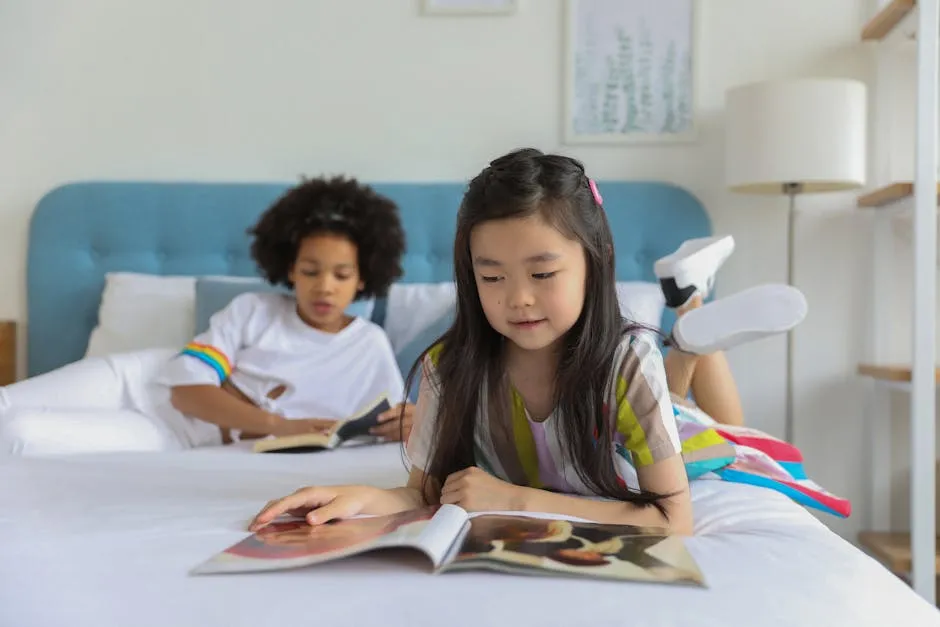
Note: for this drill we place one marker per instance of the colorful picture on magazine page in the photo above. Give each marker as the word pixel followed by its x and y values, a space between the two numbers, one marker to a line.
pixel 454 540
pixel 574 548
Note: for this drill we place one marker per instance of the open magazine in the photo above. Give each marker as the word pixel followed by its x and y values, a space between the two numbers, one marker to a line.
pixel 454 540
pixel 354 427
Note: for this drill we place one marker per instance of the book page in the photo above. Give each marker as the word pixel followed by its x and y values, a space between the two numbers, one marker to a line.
pixel 294 543
pixel 353 431
pixel 546 546
pixel 301 442
pixel 442 532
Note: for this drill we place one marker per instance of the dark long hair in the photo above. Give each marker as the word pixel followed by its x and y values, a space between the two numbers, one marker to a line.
pixel 520 184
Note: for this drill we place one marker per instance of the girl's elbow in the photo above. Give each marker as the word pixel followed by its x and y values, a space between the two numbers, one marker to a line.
pixel 682 525
pixel 181 399
pixel 680 519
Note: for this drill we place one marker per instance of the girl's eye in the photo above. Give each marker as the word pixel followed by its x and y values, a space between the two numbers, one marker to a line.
pixel 309 273
pixel 541 276
pixel 343 277
pixel 489 279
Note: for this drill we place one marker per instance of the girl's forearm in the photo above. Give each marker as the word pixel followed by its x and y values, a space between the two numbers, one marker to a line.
pixel 215 405
pixel 610 512
pixel 395 500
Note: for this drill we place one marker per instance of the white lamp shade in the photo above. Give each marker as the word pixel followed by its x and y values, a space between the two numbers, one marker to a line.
pixel 811 132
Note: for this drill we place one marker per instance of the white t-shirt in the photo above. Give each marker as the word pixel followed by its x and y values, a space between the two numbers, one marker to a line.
pixel 259 343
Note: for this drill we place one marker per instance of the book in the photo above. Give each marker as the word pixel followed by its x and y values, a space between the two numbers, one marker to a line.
pixel 453 540
pixel 357 426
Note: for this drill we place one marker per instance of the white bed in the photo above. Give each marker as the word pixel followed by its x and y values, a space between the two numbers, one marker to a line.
pixel 98 540
pixel 108 539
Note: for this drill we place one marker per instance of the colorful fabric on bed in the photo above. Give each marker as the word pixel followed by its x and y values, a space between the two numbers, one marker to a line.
pixel 765 461
pixel 759 459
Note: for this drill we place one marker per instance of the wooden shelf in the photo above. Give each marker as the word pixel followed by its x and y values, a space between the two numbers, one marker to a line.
pixel 883 22
pixel 892 549
pixel 889 194
pixel 891 372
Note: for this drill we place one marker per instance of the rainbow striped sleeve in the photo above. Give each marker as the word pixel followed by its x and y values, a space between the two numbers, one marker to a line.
pixel 211 356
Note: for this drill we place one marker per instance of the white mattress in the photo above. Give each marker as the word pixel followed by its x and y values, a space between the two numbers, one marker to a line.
pixel 104 540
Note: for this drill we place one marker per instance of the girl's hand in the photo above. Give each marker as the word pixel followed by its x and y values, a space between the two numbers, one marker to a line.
pixel 476 490
pixel 392 426
pixel 304 425
pixel 317 505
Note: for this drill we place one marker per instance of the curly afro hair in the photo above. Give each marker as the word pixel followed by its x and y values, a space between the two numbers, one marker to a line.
pixel 341 206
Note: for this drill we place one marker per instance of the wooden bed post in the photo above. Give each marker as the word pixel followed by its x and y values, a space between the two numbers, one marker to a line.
pixel 7 352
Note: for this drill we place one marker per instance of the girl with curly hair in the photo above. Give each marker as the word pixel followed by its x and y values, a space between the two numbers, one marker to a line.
pixel 277 364
pixel 271 363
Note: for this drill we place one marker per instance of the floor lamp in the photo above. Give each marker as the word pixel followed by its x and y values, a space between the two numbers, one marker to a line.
pixel 793 137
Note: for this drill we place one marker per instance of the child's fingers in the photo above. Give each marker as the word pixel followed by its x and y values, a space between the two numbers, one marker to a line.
pixel 450 498
pixel 454 477
pixel 334 510
pixel 321 425
pixel 388 430
pixel 309 497
pixel 390 414
pixel 452 484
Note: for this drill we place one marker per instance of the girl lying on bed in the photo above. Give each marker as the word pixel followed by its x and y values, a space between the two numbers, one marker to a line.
pixel 539 397
pixel 270 363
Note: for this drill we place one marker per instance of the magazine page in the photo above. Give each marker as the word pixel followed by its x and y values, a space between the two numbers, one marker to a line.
pixel 547 546
pixel 294 543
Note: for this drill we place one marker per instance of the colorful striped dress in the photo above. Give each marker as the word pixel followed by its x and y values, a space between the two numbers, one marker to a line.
pixel 515 448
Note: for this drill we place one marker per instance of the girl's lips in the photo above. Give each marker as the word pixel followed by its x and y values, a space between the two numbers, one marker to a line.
pixel 527 324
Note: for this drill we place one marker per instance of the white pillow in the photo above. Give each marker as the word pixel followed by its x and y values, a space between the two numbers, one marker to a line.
pixel 140 311
pixel 412 307
pixel 642 302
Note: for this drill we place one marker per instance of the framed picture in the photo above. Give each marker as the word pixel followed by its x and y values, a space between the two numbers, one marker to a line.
pixel 469 7
pixel 629 71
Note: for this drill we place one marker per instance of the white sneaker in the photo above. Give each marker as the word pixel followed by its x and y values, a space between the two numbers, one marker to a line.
pixel 747 316
pixel 691 269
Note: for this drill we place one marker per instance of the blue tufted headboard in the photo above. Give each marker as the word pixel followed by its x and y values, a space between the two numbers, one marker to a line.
pixel 80 231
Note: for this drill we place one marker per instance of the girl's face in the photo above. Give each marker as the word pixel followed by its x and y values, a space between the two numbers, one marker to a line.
pixel 530 279
pixel 326 279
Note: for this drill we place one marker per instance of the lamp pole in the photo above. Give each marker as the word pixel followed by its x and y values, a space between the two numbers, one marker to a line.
pixel 791 190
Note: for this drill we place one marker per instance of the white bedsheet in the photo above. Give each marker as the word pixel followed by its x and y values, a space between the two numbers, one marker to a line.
pixel 100 540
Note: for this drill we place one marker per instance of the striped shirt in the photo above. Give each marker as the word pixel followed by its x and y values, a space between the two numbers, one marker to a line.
pixel 515 448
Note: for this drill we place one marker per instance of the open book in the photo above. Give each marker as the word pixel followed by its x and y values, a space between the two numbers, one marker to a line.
pixel 353 427
pixel 454 540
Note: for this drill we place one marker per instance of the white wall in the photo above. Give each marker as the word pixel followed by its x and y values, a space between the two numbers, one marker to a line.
pixel 235 90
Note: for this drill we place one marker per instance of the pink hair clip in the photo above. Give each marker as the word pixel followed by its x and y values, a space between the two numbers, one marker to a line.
pixel 597 194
